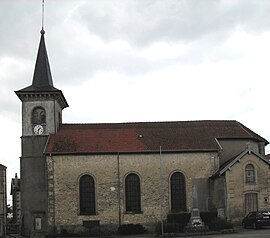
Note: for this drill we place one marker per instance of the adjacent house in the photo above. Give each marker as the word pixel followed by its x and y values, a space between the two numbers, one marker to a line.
pixel 3 201
pixel 15 192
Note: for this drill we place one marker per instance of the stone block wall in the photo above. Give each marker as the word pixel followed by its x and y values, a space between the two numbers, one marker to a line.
pixel 109 172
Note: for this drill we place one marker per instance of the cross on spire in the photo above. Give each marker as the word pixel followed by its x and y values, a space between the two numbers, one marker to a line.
pixel 42 19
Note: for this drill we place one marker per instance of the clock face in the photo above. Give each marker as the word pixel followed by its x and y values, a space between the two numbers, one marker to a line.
pixel 38 129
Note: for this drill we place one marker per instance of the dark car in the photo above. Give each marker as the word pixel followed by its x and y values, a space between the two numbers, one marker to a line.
pixel 256 219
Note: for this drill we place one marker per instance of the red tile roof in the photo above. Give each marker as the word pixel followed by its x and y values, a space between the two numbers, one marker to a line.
pixel 145 136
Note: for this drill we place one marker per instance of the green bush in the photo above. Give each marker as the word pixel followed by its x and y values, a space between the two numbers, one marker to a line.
pixel 101 231
pixel 131 229
pixel 179 218
pixel 168 227
pixel 207 217
pixel 218 224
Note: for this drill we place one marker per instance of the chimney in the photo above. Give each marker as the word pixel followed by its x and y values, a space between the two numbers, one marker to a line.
pixel 16 184
pixel 262 148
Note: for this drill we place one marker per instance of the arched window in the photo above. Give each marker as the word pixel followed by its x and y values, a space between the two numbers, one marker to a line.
pixel 250 173
pixel 87 195
pixel 178 192
pixel 133 193
pixel 38 116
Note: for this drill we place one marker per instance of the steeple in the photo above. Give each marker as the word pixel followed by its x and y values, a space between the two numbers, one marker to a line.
pixel 42 80
pixel 42 84
pixel 42 110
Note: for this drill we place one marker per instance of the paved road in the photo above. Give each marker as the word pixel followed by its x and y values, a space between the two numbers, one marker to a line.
pixel 242 233
pixel 247 233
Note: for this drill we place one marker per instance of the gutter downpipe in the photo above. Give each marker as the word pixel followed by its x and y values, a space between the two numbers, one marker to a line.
pixel 226 198
pixel 219 152
pixel 4 203
pixel 51 158
pixel 118 189
pixel 160 190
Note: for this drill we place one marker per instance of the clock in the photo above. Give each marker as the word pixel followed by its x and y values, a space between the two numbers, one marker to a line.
pixel 38 129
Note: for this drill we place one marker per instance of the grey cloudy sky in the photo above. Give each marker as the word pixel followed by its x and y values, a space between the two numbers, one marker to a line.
pixel 139 60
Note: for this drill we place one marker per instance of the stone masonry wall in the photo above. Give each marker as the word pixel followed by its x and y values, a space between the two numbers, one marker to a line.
pixel 64 173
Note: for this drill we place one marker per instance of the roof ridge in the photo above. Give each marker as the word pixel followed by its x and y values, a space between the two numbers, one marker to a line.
pixel 147 122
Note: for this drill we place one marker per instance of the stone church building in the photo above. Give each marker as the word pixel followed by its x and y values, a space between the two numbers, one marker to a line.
pixel 73 175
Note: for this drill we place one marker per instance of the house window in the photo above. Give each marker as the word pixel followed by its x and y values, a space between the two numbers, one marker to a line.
pixel 251 202
pixel 178 192
pixel 87 195
pixel 133 193
pixel 38 116
pixel 250 173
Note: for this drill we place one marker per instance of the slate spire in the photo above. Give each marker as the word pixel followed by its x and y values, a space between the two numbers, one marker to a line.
pixel 42 78
pixel 42 83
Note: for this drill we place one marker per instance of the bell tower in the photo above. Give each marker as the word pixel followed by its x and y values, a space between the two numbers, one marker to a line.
pixel 42 102
pixel 42 106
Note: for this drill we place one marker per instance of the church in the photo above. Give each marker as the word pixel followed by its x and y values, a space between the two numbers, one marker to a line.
pixel 78 175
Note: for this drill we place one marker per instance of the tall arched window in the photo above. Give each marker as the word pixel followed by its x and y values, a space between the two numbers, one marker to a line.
pixel 178 192
pixel 87 195
pixel 250 173
pixel 38 116
pixel 133 193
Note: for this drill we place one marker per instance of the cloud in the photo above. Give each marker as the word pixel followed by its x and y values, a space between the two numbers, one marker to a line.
pixel 119 35
pixel 16 27
pixel 139 60
pixel 145 22
pixel 12 77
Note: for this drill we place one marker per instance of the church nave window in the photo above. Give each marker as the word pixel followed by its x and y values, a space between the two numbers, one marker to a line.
pixel 178 192
pixel 133 193
pixel 87 195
